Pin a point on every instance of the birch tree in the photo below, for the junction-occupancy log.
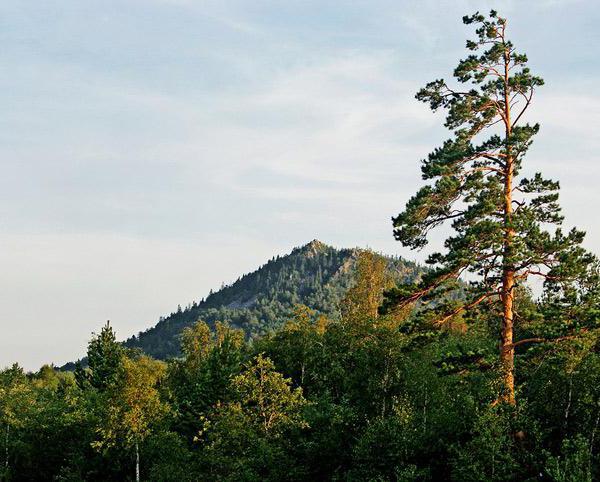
(133, 407)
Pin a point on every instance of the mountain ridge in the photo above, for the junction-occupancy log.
(314, 274)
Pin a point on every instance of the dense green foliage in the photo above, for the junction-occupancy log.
(359, 397)
(315, 275)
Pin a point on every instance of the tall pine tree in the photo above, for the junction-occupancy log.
(505, 226)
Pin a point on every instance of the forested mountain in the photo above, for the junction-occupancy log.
(315, 275)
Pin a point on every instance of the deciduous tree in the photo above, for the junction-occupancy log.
(134, 406)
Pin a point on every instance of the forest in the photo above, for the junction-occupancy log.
(463, 371)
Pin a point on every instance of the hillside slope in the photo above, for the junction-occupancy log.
(316, 275)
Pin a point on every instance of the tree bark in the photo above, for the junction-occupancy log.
(568, 407)
(507, 350)
(137, 462)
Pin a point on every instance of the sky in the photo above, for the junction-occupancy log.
(151, 150)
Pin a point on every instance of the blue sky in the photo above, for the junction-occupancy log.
(152, 149)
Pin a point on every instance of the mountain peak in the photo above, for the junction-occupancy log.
(313, 247)
(316, 244)
(316, 275)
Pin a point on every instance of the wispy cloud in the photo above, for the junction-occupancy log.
(151, 150)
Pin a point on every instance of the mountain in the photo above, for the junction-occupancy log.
(316, 275)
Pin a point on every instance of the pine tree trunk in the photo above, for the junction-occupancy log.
(507, 353)
(507, 350)
(137, 462)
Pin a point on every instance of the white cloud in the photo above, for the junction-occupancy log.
(143, 166)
